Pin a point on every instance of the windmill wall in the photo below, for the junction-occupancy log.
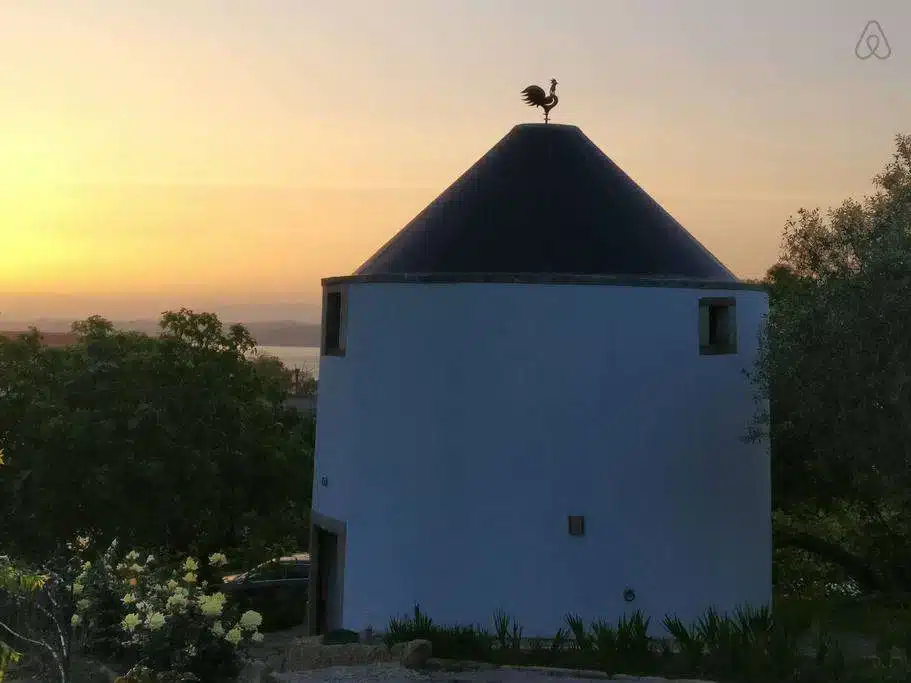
(467, 421)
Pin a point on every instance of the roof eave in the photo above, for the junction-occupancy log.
(671, 281)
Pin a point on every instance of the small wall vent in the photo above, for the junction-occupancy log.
(576, 525)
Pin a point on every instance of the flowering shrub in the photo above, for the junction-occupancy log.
(165, 618)
(98, 591)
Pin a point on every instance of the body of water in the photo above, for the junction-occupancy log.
(305, 357)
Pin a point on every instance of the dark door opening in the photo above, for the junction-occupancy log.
(328, 540)
(326, 579)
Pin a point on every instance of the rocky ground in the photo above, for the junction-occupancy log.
(297, 658)
(395, 673)
(294, 658)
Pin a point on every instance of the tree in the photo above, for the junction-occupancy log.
(272, 366)
(37, 614)
(836, 366)
(177, 441)
(297, 381)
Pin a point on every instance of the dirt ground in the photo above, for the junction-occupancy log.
(393, 673)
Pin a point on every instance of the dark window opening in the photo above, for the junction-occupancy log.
(334, 310)
(719, 321)
(717, 326)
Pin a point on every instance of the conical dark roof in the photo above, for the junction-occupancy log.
(545, 200)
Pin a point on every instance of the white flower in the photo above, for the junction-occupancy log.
(218, 629)
(86, 566)
(132, 556)
(155, 621)
(83, 605)
(78, 588)
(75, 620)
(176, 602)
(172, 585)
(250, 620)
(142, 606)
(191, 650)
(150, 559)
(190, 564)
(136, 568)
(218, 560)
(257, 637)
(189, 577)
(130, 622)
(233, 636)
(211, 605)
(128, 599)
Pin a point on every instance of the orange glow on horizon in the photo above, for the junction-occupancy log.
(238, 148)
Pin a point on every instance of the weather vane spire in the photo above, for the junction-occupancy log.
(535, 96)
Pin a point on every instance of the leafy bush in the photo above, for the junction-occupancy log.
(748, 646)
(157, 467)
(455, 642)
(624, 646)
(509, 632)
(98, 591)
(165, 620)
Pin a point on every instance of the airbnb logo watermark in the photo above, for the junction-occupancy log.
(873, 42)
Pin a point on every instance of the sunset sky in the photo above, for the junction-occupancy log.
(162, 153)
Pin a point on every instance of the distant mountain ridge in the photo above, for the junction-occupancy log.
(268, 333)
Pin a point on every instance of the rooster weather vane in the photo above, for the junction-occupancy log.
(535, 96)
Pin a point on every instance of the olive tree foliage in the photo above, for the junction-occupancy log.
(14, 582)
(297, 381)
(36, 611)
(176, 441)
(836, 366)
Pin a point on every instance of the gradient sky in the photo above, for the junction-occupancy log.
(204, 152)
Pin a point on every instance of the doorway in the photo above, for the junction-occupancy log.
(327, 567)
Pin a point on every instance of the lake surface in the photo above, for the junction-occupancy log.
(305, 357)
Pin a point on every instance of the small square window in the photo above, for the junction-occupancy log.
(335, 309)
(717, 326)
(576, 525)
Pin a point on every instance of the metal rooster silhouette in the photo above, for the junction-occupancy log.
(534, 96)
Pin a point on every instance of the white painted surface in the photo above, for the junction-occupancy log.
(467, 421)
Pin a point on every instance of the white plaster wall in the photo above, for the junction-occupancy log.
(467, 421)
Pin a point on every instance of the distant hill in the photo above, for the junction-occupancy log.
(274, 333)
